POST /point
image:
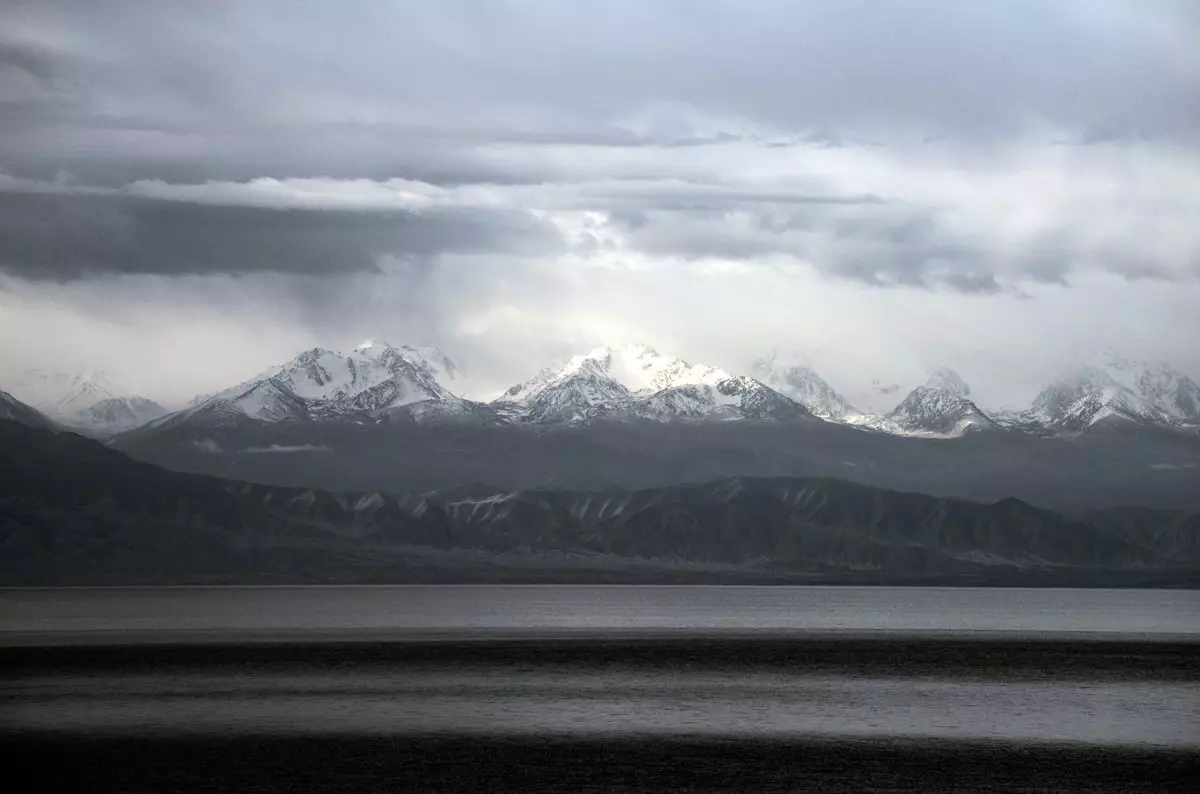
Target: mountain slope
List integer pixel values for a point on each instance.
(728, 398)
(13, 409)
(1130, 465)
(75, 511)
(809, 524)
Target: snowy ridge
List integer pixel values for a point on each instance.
(325, 385)
(637, 381)
(1115, 389)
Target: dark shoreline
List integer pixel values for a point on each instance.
(487, 570)
(265, 763)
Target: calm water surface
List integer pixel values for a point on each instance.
(532, 696)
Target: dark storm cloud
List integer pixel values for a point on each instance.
(62, 236)
(20, 60)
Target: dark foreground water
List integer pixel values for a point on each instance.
(601, 688)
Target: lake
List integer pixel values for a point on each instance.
(1071, 673)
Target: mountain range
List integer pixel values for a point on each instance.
(377, 381)
(74, 511)
(388, 418)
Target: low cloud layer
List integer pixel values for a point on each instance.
(62, 235)
(999, 184)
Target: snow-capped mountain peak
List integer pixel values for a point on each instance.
(64, 394)
(1115, 388)
(87, 402)
(323, 384)
(941, 407)
(643, 370)
(806, 387)
(325, 375)
(637, 380)
(616, 373)
(579, 390)
(1165, 388)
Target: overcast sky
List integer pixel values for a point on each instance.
(191, 192)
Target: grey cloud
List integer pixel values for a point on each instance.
(880, 244)
(754, 132)
(65, 236)
(880, 248)
(30, 60)
(196, 86)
